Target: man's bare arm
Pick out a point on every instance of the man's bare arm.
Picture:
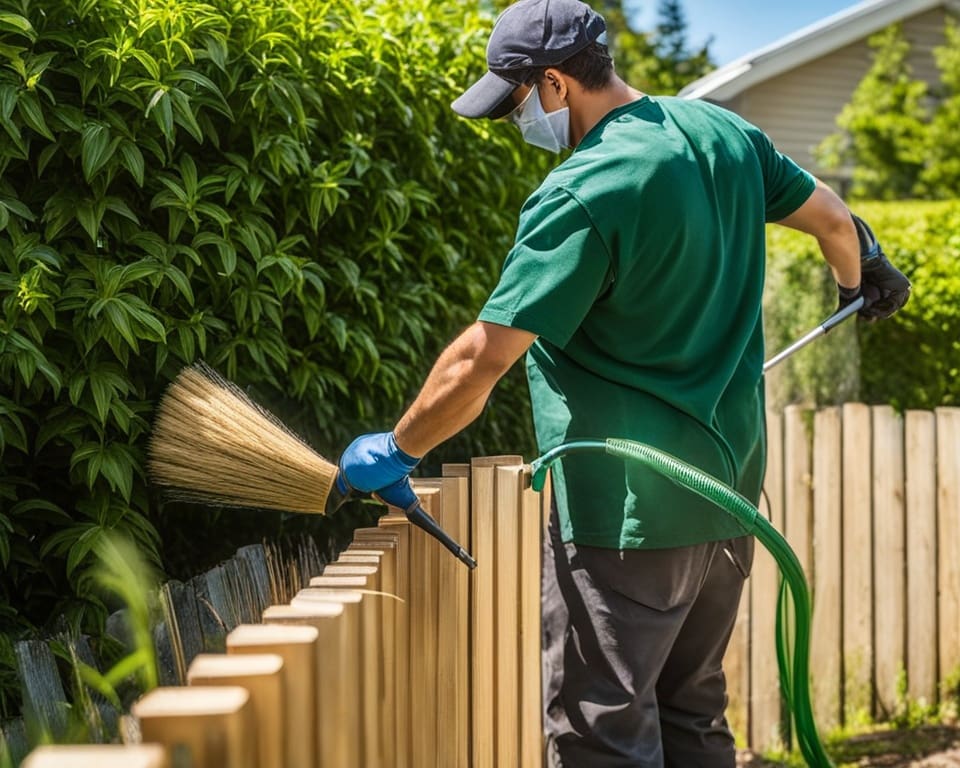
(460, 384)
(825, 216)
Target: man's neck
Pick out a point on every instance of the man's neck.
(596, 105)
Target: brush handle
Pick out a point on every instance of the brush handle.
(401, 495)
(419, 517)
(339, 495)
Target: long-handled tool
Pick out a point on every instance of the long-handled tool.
(821, 330)
(212, 444)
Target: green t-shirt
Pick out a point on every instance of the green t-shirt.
(639, 264)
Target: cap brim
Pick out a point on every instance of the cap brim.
(488, 97)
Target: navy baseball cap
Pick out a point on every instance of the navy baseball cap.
(528, 35)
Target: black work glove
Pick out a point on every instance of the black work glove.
(884, 287)
(848, 296)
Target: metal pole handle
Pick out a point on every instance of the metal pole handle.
(821, 330)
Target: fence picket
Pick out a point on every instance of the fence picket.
(948, 519)
(765, 712)
(507, 632)
(889, 582)
(453, 690)
(857, 563)
(825, 652)
(921, 547)
(531, 721)
(483, 669)
(798, 485)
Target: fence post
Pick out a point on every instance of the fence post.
(98, 756)
(297, 646)
(948, 519)
(765, 711)
(342, 700)
(531, 550)
(394, 626)
(182, 720)
(330, 743)
(798, 497)
(262, 675)
(889, 582)
(483, 500)
(825, 653)
(857, 563)
(921, 538)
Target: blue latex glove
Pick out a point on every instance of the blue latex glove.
(400, 495)
(372, 462)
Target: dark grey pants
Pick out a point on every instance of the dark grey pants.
(632, 648)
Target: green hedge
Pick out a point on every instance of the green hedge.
(276, 186)
(911, 360)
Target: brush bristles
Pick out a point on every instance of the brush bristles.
(212, 444)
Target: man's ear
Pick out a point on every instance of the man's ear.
(557, 81)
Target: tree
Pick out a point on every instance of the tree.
(659, 61)
(941, 177)
(656, 62)
(882, 128)
(679, 64)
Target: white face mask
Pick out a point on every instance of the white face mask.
(547, 130)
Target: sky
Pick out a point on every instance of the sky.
(739, 26)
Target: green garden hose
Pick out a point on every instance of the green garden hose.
(795, 672)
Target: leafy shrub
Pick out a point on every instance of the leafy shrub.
(276, 186)
(883, 129)
(911, 360)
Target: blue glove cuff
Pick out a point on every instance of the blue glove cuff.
(410, 462)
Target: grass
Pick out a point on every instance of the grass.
(893, 744)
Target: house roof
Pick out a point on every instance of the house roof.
(807, 44)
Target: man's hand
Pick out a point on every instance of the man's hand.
(400, 495)
(847, 296)
(884, 288)
(373, 462)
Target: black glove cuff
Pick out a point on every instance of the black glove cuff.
(869, 247)
(848, 294)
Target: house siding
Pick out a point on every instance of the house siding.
(799, 108)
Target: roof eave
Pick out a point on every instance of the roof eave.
(805, 45)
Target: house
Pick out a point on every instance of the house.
(795, 88)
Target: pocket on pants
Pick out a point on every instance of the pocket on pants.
(739, 552)
(661, 579)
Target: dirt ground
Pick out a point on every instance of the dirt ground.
(927, 747)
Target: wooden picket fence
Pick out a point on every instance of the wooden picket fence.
(870, 501)
(394, 655)
(449, 674)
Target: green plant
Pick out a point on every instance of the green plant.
(126, 581)
(909, 712)
(660, 61)
(897, 134)
(941, 174)
(911, 360)
(883, 127)
(799, 294)
(950, 697)
(276, 186)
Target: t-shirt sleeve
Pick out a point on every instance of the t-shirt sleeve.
(786, 185)
(554, 273)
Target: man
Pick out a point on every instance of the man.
(634, 288)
